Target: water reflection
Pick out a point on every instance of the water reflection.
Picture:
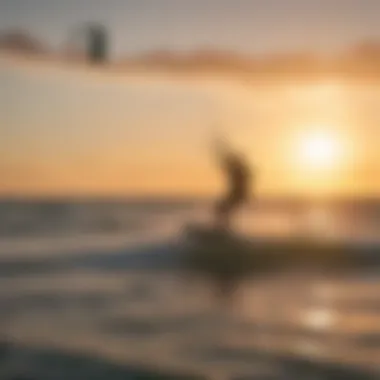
(319, 319)
(319, 223)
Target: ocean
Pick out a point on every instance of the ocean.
(87, 292)
(29, 219)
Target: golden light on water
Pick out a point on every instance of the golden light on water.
(319, 319)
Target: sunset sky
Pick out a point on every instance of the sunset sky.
(65, 131)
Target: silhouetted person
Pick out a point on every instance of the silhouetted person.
(239, 178)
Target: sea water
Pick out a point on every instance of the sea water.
(90, 282)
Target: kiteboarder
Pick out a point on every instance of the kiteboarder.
(239, 177)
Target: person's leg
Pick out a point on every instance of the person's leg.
(225, 210)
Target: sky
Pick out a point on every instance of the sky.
(247, 25)
(65, 131)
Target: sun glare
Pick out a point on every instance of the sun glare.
(320, 149)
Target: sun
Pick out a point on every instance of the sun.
(319, 149)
